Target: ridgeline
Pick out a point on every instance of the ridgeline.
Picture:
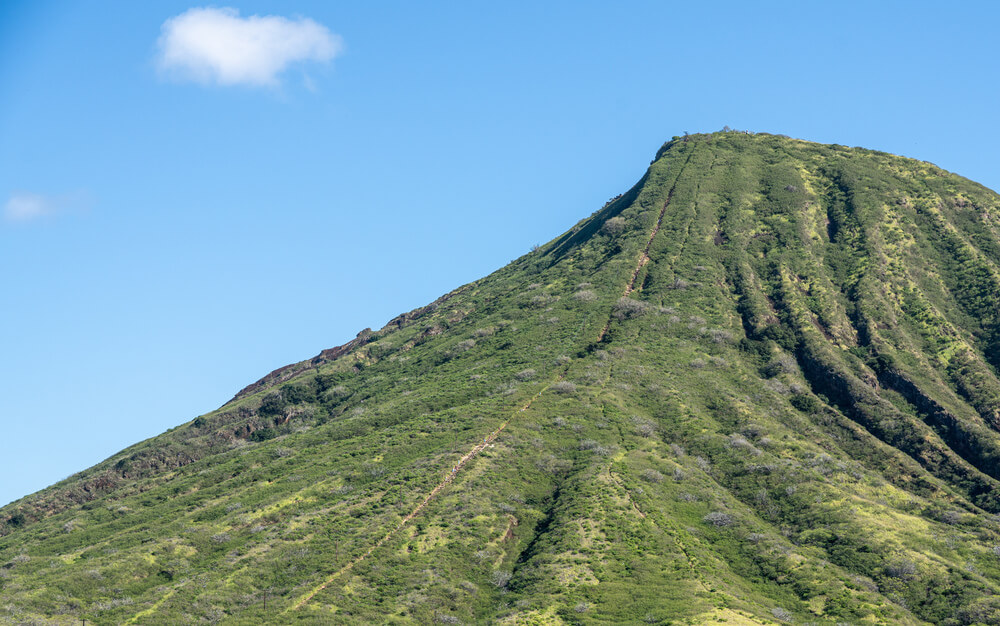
(759, 387)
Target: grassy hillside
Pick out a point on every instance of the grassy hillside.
(759, 387)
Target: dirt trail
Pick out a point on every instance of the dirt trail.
(645, 252)
(643, 259)
(471, 454)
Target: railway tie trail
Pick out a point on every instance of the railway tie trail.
(450, 477)
(630, 286)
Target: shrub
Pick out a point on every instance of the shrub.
(463, 346)
(16, 520)
(628, 308)
(482, 555)
(777, 386)
(614, 226)
(563, 386)
(952, 517)
(720, 336)
(500, 578)
(527, 374)
(644, 428)
(585, 295)
(904, 569)
(718, 519)
(806, 403)
(784, 337)
(549, 463)
(468, 586)
(339, 390)
(651, 475)
(114, 603)
(781, 614)
(263, 434)
(272, 404)
(595, 447)
(507, 389)
(542, 299)
(784, 364)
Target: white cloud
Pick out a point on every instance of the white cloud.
(24, 206)
(210, 45)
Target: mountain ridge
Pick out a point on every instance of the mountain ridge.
(760, 385)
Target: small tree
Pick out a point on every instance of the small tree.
(500, 578)
(627, 308)
(614, 226)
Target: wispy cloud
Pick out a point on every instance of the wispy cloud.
(210, 45)
(23, 206)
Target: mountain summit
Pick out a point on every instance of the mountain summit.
(761, 386)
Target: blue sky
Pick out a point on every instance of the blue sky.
(183, 213)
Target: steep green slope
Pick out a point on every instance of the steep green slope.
(759, 387)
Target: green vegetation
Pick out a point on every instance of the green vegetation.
(760, 387)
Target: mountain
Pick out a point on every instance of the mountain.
(759, 387)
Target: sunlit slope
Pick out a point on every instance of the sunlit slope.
(761, 386)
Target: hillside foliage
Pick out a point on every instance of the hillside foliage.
(759, 387)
